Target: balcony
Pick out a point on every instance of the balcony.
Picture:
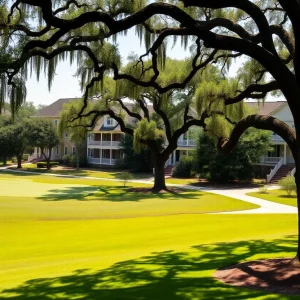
(104, 143)
(186, 143)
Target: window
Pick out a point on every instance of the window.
(66, 135)
(109, 121)
(66, 150)
(73, 150)
(55, 123)
(57, 150)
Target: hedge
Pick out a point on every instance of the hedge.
(43, 164)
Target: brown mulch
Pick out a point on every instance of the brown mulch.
(280, 276)
(151, 191)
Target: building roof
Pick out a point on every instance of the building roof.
(54, 109)
(268, 107)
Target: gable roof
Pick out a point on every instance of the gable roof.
(54, 109)
(268, 107)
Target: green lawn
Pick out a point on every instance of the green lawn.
(278, 196)
(104, 246)
(108, 174)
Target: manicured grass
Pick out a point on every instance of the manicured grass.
(108, 174)
(57, 247)
(278, 196)
(52, 198)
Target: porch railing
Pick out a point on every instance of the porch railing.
(274, 171)
(102, 161)
(103, 143)
(270, 160)
(32, 157)
(293, 172)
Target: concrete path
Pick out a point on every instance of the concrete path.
(266, 207)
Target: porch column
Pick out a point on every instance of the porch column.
(110, 155)
(187, 138)
(284, 155)
(100, 154)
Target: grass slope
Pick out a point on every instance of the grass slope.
(53, 249)
(277, 196)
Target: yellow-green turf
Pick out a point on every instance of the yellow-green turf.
(278, 196)
(70, 249)
(109, 174)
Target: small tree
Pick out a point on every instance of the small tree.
(124, 176)
(288, 184)
(45, 137)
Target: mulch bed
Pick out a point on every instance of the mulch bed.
(280, 276)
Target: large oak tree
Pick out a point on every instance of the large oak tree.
(37, 34)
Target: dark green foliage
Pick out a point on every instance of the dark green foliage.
(141, 162)
(185, 167)
(43, 164)
(69, 160)
(238, 165)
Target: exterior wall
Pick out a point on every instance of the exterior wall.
(285, 115)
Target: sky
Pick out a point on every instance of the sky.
(66, 85)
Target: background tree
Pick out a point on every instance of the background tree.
(16, 138)
(265, 33)
(159, 119)
(238, 165)
(137, 162)
(77, 129)
(44, 136)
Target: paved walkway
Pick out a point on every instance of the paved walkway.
(266, 207)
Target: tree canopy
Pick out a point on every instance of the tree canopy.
(36, 35)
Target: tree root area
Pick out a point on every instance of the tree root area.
(281, 276)
(154, 191)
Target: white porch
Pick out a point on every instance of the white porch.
(103, 156)
(104, 139)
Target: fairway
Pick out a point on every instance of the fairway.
(92, 239)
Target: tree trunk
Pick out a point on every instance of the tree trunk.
(19, 159)
(77, 158)
(159, 175)
(48, 159)
(297, 180)
(4, 161)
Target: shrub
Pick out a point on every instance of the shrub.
(263, 189)
(43, 164)
(124, 176)
(184, 168)
(288, 184)
(69, 160)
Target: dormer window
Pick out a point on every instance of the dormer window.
(109, 121)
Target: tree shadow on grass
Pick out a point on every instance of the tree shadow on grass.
(167, 275)
(19, 173)
(113, 194)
